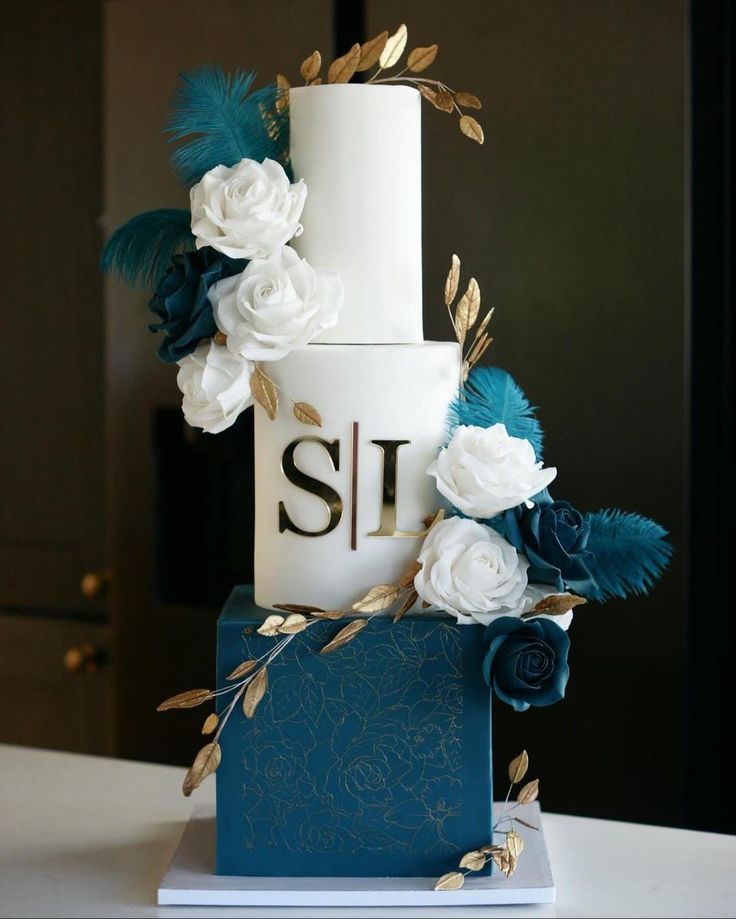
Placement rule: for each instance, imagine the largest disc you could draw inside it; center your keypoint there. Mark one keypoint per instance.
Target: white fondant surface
(394, 392)
(359, 150)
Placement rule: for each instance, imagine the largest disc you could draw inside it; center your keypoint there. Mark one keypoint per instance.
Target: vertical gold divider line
(354, 491)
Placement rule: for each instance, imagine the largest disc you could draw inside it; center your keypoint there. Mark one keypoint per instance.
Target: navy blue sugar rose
(554, 538)
(181, 303)
(526, 662)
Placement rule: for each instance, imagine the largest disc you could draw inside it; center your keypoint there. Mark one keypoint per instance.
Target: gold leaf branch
(465, 317)
(265, 392)
(249, 680)
(506, 856)
(384, 52)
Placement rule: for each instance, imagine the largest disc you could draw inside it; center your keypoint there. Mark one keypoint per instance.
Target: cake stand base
(189, 880)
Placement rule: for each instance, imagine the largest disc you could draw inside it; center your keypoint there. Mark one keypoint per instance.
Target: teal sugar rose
(554, 538)
(181, 302)
(526, 662)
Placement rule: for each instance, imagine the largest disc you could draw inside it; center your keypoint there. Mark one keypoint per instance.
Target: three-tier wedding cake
(410, 561)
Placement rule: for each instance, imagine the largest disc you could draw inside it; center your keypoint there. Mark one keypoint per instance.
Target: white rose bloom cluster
(470, 571)
(215, 385)
(484, 471)
(248, 210)
(278, 303)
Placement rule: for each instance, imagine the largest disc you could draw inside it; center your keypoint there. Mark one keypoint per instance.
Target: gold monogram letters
(333, 502)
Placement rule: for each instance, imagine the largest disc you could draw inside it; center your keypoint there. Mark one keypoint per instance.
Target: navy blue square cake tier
(371, 761)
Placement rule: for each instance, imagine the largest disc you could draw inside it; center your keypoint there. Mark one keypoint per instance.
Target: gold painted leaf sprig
(505, 856)
(266, 393)
(249, 680)
(384, 53)
(464, 317)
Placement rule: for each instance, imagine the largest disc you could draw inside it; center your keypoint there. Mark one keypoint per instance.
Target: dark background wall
(572, 216)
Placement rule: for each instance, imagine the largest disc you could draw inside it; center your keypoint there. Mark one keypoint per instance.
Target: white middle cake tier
(340, 508)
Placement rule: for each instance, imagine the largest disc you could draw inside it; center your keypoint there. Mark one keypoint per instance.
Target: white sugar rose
(470, 571)
(248, 210)
(484, 471)
(276, 304)
(216, 387)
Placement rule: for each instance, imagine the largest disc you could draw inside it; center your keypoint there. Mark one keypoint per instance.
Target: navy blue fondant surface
(372, 761)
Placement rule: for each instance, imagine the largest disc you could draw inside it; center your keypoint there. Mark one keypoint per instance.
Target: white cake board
(189, 880)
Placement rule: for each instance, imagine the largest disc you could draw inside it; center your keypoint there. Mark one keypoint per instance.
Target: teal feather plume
(630, 553)
(224, 122)
(492, 396)
(140, 250)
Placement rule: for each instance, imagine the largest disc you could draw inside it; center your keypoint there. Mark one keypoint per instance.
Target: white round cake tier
(359, 150)
(340, 508)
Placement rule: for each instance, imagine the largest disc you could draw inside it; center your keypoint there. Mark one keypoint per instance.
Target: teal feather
(629, 553)
(224, 122)
(491, 397)
(140, 250)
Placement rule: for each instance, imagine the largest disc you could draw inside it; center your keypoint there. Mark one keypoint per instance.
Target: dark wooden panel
(162, 648)
(571, 216)
(51, 446)
(44, 705)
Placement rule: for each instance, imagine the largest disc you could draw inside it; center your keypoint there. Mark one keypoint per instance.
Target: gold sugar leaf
(502, 859)
(264, 392)
(242, 670)
(210, 724)
(344, 636)
(407, 578)
(453, 279)
(475, 860)
(378, 599)
(294, 623)
(307, 414)
(518, 767)
(453, 880)
(329, 614)
(421, 58)
(409, 601)
(489, 850)
(483, 346)
(555, 605)
(282, 96)
(311, 66)
(270, 626)
(298, 608)
(444, 101)
(370, 51)
(205, 763)
(515, 845)
(467, 310)
(220, 338)
(255, 692)
(467, 100)
(342, 69)
(433, 519)
(394, 48)
(470, 128)
(529, 793)
(484, 324)
(439, 98)
(429, 94)
(189, 699)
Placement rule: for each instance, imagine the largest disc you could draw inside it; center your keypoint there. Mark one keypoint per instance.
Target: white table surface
(86, 836)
